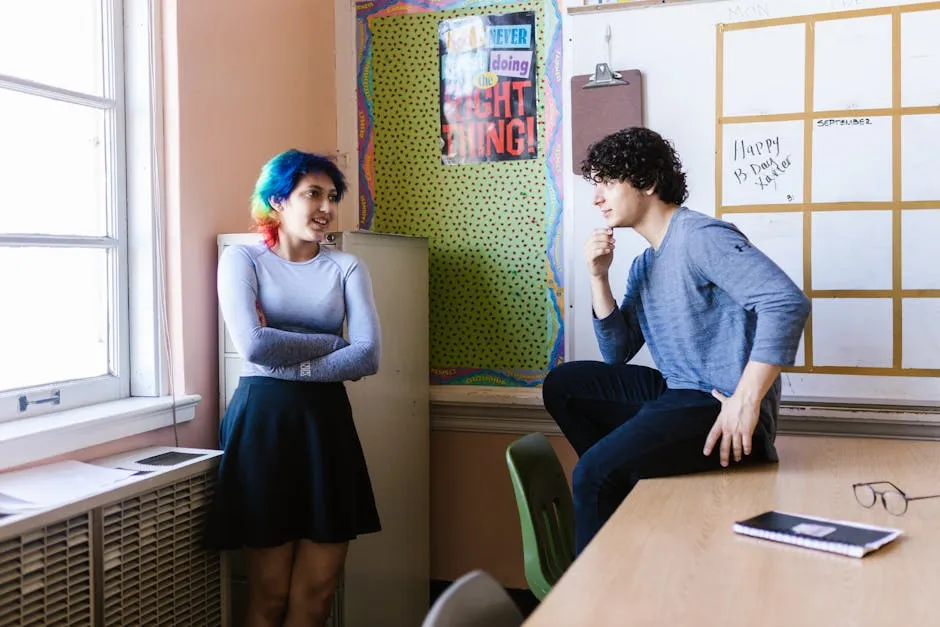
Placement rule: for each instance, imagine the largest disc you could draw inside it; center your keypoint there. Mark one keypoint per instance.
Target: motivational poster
(488, 87)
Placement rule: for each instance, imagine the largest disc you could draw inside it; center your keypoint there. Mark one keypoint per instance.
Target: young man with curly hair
(720, 320)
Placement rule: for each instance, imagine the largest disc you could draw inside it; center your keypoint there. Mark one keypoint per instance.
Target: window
(74, 202)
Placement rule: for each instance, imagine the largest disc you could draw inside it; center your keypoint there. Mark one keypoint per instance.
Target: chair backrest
(546, 512)
(474, 600)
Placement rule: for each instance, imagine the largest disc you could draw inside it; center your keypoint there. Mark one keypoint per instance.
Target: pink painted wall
(251, 79)
(474, 522)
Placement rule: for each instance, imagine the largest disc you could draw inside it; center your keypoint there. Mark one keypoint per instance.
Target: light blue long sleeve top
(304, 306)
(706, 302)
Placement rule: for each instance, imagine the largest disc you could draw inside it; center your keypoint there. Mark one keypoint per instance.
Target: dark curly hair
(640, 157)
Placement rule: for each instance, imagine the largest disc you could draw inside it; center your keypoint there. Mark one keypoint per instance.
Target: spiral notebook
(834, 536)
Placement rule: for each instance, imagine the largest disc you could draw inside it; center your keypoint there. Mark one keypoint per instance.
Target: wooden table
(668, 555)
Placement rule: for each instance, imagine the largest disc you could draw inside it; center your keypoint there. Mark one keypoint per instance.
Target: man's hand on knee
(734, 427)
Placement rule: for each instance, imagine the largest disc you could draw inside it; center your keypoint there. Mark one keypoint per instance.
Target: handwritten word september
(843, 122)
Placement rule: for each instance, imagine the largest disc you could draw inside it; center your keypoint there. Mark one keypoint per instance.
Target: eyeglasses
(891, 496)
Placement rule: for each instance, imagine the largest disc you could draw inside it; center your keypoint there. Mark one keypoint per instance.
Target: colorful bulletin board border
(551, 97)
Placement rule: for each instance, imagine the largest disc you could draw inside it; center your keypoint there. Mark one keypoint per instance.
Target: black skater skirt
(292, 468)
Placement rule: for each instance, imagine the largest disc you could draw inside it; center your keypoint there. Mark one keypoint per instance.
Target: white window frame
(140, 399)
(34, 400)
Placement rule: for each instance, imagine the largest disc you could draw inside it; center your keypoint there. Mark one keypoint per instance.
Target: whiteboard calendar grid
(768, 180)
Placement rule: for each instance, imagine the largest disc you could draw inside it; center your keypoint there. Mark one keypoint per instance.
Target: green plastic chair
(546, 513)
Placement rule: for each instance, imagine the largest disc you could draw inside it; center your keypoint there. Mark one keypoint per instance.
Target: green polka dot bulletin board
(494, 229)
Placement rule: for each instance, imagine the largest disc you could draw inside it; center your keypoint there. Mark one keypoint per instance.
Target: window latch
(55, 398)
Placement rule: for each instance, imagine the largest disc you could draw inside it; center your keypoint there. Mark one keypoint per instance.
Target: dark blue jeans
(626, 425)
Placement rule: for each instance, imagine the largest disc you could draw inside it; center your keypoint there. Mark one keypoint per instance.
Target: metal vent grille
(46, 574)
(155, 571)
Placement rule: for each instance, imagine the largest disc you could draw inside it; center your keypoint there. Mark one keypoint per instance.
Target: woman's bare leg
(269, 573)
(316, 570)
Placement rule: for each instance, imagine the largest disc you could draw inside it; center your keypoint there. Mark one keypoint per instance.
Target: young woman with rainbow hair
(293, 485)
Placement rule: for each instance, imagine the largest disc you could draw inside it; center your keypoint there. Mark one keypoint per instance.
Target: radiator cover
(131, 555)
(46, 575)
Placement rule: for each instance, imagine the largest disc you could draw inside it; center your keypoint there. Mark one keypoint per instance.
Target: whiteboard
(822, 156)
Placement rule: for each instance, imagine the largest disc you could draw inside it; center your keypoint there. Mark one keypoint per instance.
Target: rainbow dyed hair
(277, 180)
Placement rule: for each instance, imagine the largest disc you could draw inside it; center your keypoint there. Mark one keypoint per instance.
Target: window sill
(41, 437)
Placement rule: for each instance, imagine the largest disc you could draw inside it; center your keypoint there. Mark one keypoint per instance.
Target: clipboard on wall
(602, 109)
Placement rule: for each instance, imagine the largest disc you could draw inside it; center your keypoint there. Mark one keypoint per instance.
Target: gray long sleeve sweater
(304, 306)
(707, 301)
